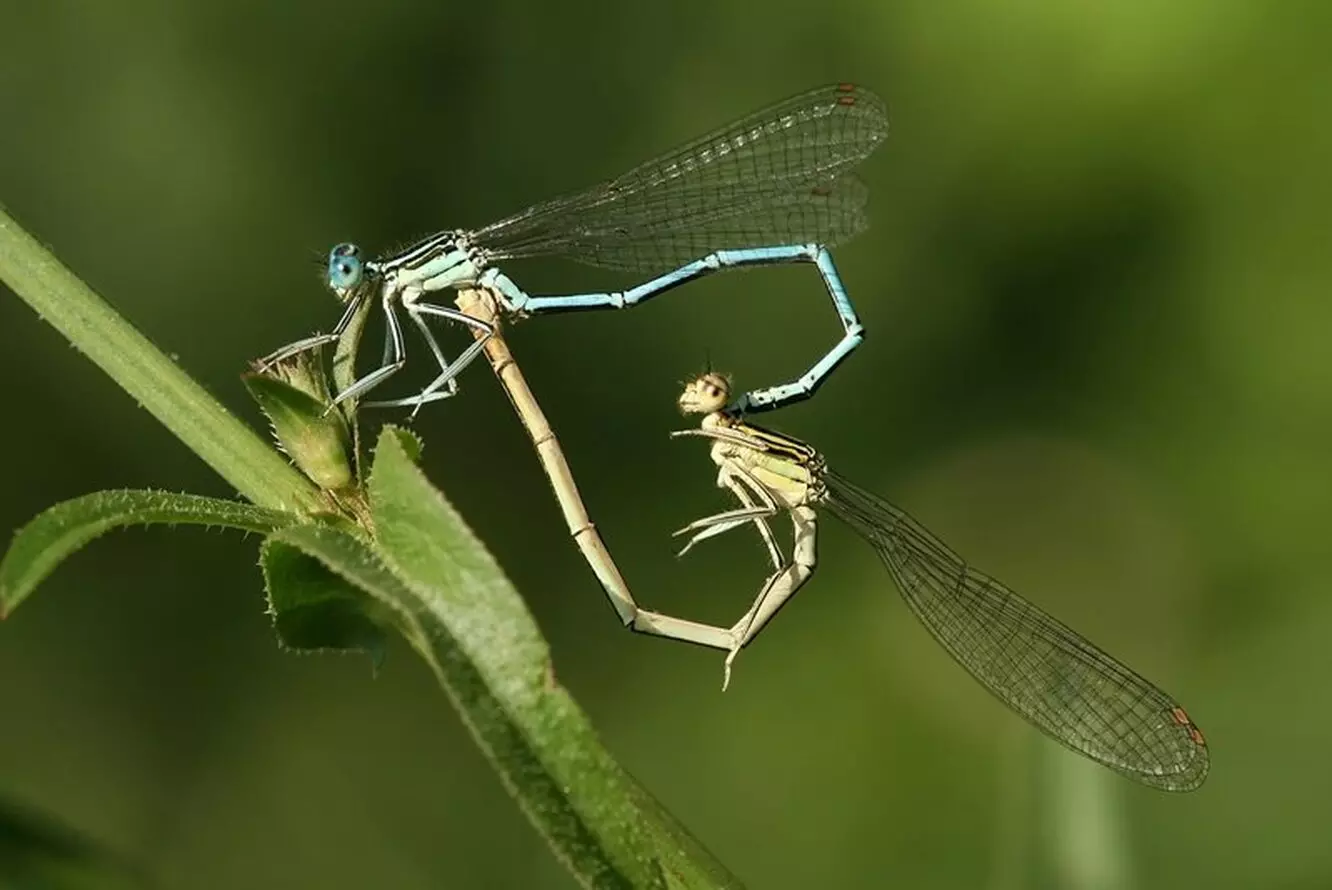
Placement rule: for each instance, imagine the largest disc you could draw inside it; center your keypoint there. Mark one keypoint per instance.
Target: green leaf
(466, 620)
(317, 610)
(40, 545)
(315, 438)
(344, 375)
(410, 442)
(38, 854)
(344, 354)
(152, 379)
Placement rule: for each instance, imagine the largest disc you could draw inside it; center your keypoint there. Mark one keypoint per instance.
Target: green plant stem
(424, 569)
(183, 406)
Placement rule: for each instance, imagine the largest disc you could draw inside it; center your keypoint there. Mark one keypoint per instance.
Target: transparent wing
(825, 214)
(1038, 667)
(778, 176)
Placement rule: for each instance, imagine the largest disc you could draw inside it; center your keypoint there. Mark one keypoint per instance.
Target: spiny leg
(432, 343)
(431, 393)
(736, 470)
(720, 523)
(723, 434)
(760, 491)
(435, 350)
(449, 371)
(395, 356)
(311, 342)
(293, 349)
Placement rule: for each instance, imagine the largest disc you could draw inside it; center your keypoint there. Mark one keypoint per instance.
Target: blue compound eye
(345, 268)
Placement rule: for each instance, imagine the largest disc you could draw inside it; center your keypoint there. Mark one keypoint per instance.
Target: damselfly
(1044, 671)
(773, 187)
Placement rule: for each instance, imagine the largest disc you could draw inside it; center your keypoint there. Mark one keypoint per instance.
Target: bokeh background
(1096, 293)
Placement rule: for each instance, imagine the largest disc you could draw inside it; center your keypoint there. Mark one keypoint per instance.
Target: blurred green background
(1096, 295)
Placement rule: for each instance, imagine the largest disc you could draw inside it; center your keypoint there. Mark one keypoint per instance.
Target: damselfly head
(705, 394)
(346, 270)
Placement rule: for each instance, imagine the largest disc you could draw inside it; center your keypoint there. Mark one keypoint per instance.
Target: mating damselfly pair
(777, 186)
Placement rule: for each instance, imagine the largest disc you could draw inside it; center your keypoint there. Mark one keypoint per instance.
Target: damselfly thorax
(790, 469)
